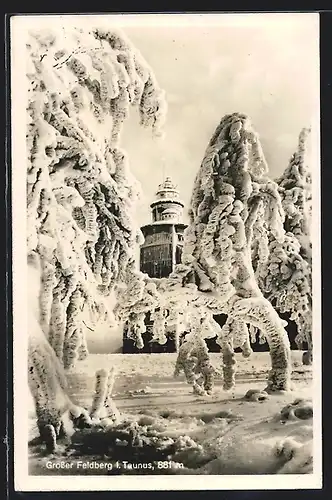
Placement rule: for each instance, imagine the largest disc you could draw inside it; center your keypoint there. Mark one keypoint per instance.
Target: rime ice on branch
(231, 193)
(286, 277)
(80, 192)
(295, 191)
(103, 407)
(193, 358)
(235, 207)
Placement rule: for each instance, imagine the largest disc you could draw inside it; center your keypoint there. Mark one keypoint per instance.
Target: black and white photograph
(166, 251)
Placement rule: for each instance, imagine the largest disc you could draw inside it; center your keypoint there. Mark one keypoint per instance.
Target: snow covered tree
(295, 190)
(296, 193)
(285, 279)
(232, 194)
(82, 235)
(285, 274)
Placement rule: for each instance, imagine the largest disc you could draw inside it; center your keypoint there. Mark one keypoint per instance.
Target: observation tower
(163, 244)
(159, 254)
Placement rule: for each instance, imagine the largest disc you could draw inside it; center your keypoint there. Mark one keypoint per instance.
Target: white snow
(231, 435)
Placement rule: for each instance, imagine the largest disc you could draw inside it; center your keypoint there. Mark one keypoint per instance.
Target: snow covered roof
(167, 185)
(167, 191)
(167, 200)
(172, 222)
(166, 222)
(170, 211)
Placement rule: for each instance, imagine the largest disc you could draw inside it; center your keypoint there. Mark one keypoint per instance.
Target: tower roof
(167, 191)
(167, 186)
(170, 211)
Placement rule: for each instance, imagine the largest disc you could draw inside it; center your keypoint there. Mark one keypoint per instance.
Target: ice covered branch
(285, 276)
(103, 407)
(295, 190)
(80, 192)
(232, 192)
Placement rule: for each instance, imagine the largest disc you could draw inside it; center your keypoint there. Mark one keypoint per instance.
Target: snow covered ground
(220, 434)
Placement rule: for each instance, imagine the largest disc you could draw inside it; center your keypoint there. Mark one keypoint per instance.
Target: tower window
(178, 255)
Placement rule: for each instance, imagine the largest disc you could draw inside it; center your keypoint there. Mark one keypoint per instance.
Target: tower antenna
(160, 143)
(163, 166)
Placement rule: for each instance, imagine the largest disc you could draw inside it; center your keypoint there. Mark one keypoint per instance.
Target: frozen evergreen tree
(295, 191)
(285, 276)
(232, 196)
(81, 196)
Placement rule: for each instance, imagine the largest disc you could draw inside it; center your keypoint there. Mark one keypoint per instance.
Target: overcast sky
(265, 66)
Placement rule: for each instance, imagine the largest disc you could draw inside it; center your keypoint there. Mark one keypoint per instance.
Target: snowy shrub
(256, 395)
(298, 458)
(299, 409)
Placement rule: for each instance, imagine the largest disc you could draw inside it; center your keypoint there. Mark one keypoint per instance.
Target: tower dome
(170, 214)
(167, 204)
(167, 189)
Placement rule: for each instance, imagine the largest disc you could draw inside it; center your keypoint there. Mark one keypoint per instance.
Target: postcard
(166, 251)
